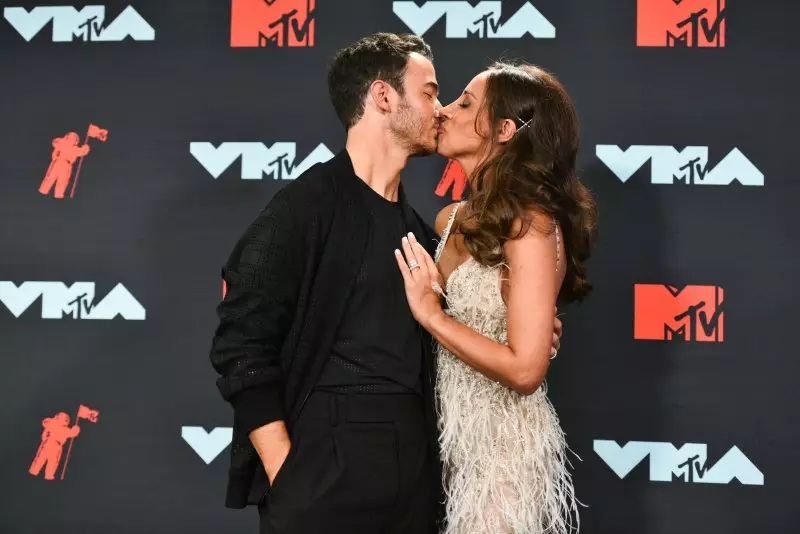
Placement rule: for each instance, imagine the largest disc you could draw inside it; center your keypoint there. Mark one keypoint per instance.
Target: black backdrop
(684, 425)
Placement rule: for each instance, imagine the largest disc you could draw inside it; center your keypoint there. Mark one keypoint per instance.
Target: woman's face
(458, 138)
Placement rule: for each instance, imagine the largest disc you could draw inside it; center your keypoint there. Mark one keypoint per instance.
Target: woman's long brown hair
(533, 172)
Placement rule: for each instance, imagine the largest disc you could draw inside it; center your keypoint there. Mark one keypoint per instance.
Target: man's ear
(506, 130)
(379, 92)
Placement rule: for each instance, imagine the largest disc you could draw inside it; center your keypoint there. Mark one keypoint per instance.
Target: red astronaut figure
(56, 432)
(65, 152)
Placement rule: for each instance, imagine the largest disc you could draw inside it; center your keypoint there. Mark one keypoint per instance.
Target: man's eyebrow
(433, 85)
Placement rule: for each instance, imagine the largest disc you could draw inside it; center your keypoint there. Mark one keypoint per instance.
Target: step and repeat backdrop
(139, 139)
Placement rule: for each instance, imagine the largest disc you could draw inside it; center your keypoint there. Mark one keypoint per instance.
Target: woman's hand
(422, 280)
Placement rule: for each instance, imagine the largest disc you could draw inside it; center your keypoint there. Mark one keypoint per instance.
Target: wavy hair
(532, 172)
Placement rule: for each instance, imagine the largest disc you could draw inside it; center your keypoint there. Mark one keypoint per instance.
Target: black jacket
(288, 280)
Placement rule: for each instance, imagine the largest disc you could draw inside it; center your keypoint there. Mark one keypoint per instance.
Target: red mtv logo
(257, 23)
(454, 177)
(664, 312)
(680, 23)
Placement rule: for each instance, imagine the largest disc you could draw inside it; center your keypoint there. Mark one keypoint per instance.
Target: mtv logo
(663, 312)
(689, 165)
(258, 23)
(257, 159)
(86, 23)
(76, 301)
(454, 177)
(207, 445)
(680, 23)
(483, 19)
(668, 463)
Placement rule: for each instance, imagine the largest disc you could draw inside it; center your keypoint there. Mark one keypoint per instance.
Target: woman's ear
(506, 130)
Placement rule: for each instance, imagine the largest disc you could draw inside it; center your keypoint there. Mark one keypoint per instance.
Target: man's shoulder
(309, 194)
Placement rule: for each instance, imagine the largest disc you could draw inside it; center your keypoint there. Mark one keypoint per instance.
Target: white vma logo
(207, 445)
(687, 463)
(482, 19)
(257, 160)
(87, 23)
(76, 300)
(689, 165)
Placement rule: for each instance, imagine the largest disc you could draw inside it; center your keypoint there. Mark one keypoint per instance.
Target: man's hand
(557, 331)
(272, 444)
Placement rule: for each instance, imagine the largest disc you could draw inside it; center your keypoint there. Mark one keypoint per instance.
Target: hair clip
(524, 123)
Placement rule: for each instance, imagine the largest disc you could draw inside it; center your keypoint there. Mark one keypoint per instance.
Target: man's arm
(263, 276)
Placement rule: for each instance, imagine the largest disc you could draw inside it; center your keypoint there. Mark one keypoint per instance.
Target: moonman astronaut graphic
(56, 432)
(66, 151)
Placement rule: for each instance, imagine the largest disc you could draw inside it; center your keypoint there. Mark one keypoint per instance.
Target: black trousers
(359, 463)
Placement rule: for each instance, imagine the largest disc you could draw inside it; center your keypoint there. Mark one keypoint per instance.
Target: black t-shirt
(379, 345)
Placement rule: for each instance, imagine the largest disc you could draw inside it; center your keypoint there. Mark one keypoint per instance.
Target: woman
(506, 256)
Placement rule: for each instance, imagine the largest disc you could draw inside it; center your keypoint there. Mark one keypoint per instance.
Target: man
(330, 377)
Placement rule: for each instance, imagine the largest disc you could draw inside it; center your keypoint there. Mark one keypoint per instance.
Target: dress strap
(446, 233)
(558, 244)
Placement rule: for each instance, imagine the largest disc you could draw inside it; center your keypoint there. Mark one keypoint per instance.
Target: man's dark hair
(381, 56)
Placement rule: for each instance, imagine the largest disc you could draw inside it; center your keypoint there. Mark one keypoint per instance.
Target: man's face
(414, 123)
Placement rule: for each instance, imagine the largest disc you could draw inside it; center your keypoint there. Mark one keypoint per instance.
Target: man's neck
(377, 159)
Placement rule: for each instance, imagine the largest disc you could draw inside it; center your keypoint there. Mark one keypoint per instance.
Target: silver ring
(413, 265)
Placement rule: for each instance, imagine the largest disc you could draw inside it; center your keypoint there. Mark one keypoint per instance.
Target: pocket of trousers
(287, 463)
(308, 476)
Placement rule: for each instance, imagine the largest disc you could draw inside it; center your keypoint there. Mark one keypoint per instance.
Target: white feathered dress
(504, 454)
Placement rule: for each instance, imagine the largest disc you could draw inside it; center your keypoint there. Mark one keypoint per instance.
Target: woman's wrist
(436, 321)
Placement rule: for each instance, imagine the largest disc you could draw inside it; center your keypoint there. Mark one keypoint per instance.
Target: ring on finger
(413, 265)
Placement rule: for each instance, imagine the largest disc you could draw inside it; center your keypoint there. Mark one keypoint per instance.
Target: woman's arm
(533, 286)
